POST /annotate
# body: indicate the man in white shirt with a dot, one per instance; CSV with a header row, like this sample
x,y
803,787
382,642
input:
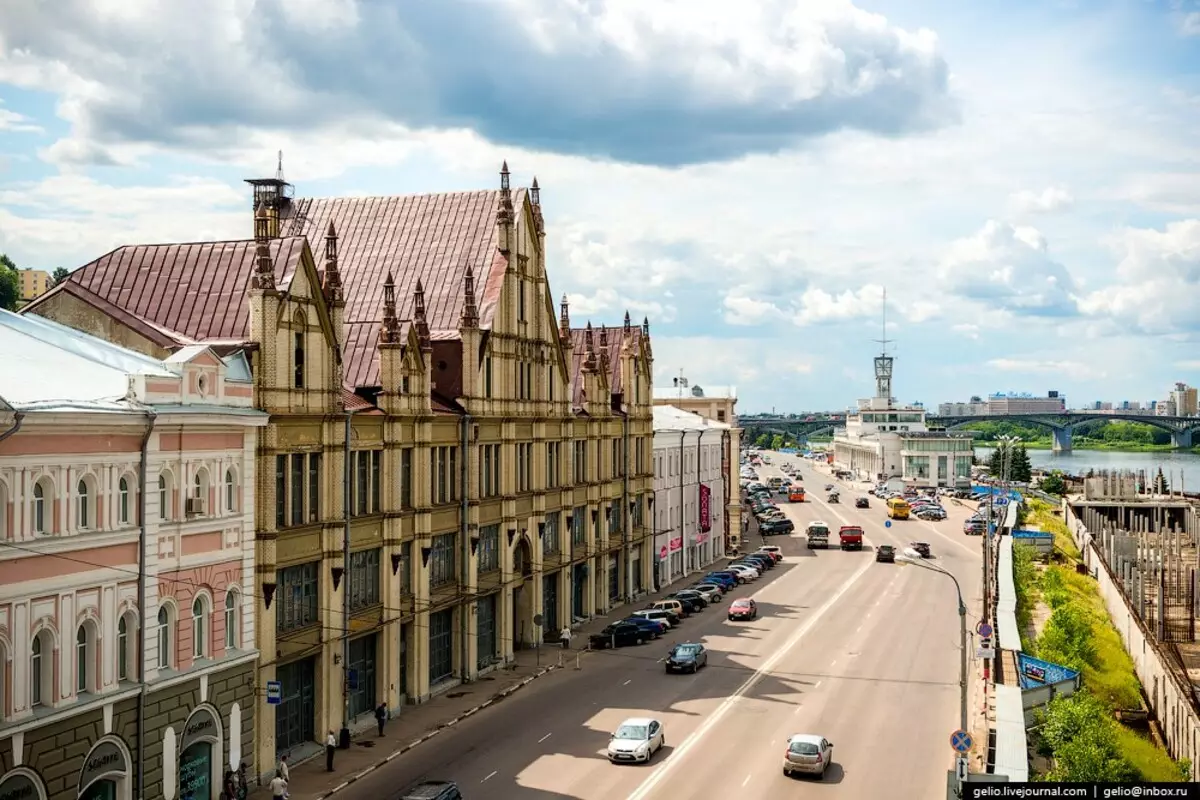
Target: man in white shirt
x,y
283,770
330,749
278,786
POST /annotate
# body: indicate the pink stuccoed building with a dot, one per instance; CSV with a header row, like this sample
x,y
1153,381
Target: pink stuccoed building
x,y
126,505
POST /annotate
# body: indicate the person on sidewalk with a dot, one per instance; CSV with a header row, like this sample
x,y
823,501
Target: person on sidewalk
x,y
565,637
278,786
381,715
282,770
330,747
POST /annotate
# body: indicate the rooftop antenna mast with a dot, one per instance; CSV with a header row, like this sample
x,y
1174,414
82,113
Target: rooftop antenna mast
x,y
883,362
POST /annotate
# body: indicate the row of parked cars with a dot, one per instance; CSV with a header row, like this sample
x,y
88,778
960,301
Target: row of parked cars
x,y
922,506
770,518
670,612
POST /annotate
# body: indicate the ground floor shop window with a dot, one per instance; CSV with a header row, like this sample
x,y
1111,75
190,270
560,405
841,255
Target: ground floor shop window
x,y
639,584
295,716
485,630
195,772
106,772
550,625
578,587
361,676
614,579
677,564
441,646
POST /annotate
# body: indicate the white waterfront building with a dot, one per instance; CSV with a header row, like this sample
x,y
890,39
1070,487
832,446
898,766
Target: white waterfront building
x,y
883,440
689,492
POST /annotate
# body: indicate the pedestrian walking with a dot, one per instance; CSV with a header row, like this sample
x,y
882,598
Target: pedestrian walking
x,y
330,746
278,786
381,715
282,770
565,637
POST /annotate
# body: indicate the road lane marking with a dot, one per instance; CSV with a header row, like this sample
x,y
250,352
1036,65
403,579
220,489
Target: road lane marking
x,y
489,777
833,663
544,738
706,727
626,683
747,780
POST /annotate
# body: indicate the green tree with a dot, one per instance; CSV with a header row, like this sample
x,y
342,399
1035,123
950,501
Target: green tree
x,y
1020,469
1067,638
60,275
10,284
1079,734
1054,483
763,441
777,442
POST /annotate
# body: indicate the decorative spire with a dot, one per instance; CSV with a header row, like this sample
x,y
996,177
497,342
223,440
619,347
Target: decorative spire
x,y
331,278
604,349
470,312
535,200
645,326
389,328
419,318
264,268
564,322
504,213
628,326
589,350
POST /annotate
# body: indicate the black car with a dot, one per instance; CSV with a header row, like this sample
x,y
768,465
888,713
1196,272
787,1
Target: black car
x,y
862,502
885,552
652,628
763,562
690,604
687,657
433,790
922,549
691,594
833,498
776,527
619,634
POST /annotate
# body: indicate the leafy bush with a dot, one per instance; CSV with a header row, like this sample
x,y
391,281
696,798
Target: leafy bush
x,y
1067,637
1082,738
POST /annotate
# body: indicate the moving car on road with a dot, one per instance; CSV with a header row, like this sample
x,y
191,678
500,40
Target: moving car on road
x,y
862,502
433,790
636,740
833,498
796,493
743,608
619,634
807,754
687,657
817,534
922,548
885,553
850,537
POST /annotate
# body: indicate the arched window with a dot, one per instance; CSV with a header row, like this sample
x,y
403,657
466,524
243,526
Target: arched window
x,y
198,486
40,673
232,627
230,491
39,507
123,649
83,672
82,506
123,501
199,628
298,335
164,638
164,497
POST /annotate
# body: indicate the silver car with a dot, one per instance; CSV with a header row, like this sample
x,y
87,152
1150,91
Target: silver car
x,y
637,740
807,754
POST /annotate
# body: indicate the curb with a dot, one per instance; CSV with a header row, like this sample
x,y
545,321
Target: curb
x,y
496,698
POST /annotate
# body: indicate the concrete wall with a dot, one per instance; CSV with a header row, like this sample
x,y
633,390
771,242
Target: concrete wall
x,y
1170,697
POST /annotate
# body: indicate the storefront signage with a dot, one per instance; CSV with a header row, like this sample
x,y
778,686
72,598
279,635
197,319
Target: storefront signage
x,y
705,508
107,760
201,726
676,544
19,786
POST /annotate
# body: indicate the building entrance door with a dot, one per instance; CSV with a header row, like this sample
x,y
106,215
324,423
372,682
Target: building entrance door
x,y
550,625
578,585
295,716
362,676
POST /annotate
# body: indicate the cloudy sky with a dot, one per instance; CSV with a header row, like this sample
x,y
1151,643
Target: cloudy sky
x,y
1021,176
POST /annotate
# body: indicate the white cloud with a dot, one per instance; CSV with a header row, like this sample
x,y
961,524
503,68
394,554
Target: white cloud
x,y
710,360
818,306
17,123
966,329
1191,364
741,310
1076,370
1188,24
1049,200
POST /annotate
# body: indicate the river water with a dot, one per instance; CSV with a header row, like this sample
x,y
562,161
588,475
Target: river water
x,y
1078,462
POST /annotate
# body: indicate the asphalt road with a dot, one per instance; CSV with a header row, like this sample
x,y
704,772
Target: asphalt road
x,y
865,654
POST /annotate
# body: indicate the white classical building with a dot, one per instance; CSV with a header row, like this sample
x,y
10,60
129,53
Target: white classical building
x,y
885,440
688,492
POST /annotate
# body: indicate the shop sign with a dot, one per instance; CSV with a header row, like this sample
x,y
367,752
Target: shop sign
x,y
202,726
106,760
19,786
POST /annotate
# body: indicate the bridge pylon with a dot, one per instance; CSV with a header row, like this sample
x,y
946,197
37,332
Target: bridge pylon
x,y
1062,440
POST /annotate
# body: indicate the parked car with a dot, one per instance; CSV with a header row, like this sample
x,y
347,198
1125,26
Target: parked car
x,y
618,634
725,581
743,608
433,790
636,740
686,657
775,552
709,591
698,601
885,553
729,573
654,627
674,606
780,527
671,620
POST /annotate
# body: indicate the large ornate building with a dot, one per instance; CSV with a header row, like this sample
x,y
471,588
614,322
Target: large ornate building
x,y
447,461
126,494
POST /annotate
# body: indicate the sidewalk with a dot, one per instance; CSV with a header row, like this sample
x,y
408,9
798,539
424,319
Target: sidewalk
x,y
415,725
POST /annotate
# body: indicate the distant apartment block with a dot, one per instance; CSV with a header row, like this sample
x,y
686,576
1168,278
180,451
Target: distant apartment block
x,y
34,284
972,408
1185,400
1013,403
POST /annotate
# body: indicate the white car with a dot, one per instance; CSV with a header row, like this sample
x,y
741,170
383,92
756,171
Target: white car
x,y
749,573
655,614
808,754
771,549
636,741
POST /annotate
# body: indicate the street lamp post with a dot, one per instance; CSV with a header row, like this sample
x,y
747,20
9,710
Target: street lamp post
x,y
917,561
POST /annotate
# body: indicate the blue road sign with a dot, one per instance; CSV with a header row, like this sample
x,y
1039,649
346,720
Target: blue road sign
x,y
961,741
274,693
984,630
887,523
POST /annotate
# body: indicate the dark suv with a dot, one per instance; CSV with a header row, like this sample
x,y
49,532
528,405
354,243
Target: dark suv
x,y
433,790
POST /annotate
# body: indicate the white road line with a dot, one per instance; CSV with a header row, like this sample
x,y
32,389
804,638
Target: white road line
x,y
492,775
660,773
544,738
833,663
746,780
626,683
815,685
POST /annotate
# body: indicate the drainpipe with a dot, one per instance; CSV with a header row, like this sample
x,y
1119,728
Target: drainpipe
x,y
140,791
464,535
699,483
682,504
626,533
17,420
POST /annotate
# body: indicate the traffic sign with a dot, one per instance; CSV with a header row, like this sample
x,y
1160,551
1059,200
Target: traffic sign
x,y
985,653
961,741
887,523
961,770
538,619
984,630
274,693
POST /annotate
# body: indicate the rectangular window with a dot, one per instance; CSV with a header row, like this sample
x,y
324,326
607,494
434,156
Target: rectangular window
x,y
376,469
551,377
485,637
405,568
720,415
441,561
550,542
487,377
452,473
364,579
578,521
489,548
443,483
614,517
280,491
551,465
580,465
365,477
314,487
406,478
520,380
613,445
489,470
296,487
296,597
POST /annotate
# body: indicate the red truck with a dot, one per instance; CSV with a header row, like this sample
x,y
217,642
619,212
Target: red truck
x,y
851,537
